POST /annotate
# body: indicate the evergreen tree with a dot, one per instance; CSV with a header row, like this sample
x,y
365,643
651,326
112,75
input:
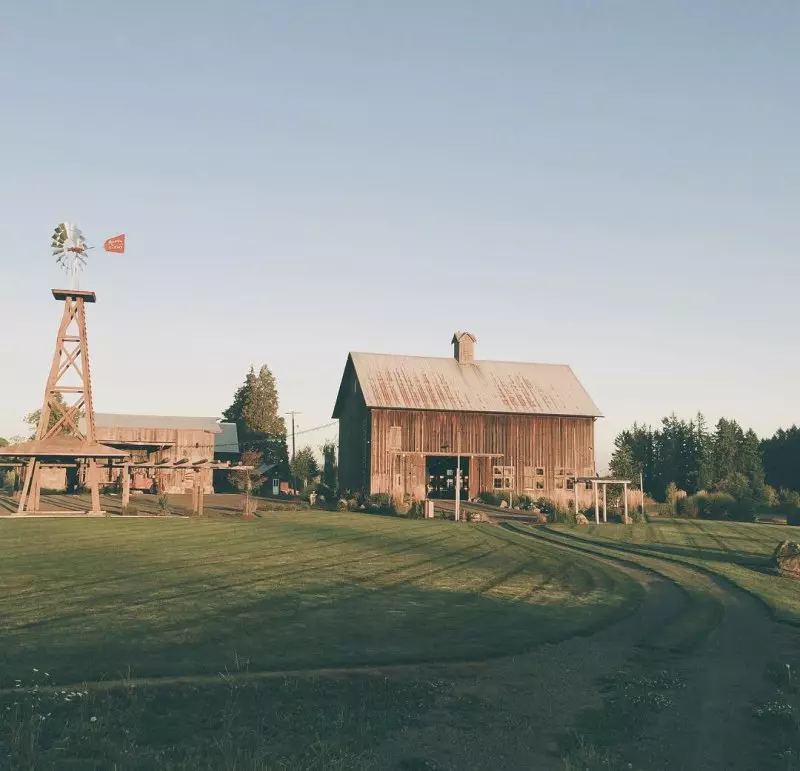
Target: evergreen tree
x,y
255,404
260,427
750,463
727,443
781,455
330,470
705,453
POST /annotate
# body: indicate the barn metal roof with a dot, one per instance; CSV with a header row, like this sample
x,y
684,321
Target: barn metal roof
x,y
433,383
112,420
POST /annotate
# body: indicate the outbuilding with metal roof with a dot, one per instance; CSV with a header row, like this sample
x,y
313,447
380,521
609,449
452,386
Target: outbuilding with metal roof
x,y
407,422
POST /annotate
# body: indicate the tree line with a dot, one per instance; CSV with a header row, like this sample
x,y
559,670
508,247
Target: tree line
x,y
693,456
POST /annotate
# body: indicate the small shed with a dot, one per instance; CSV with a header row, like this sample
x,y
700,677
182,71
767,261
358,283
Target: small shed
x,y
161,439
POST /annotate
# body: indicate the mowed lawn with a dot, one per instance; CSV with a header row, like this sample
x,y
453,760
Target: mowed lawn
x,y
740,552
109,598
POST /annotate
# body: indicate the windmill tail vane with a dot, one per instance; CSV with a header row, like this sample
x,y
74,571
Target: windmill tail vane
x,y
69,248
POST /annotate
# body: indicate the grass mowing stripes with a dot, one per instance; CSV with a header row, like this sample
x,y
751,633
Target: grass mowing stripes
x,y
98,598
737,551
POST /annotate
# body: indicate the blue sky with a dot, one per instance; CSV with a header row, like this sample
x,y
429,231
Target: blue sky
x,y
613,185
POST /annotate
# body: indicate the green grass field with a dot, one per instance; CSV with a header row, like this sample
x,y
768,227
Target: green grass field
x,y
186,613
739,552
317,640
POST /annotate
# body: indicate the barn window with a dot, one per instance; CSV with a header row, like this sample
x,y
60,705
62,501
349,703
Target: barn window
x,y
503,477
533,478
395,439
588,485
570,483
559,483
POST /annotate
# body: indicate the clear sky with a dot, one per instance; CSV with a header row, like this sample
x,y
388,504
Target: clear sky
x,y
613,185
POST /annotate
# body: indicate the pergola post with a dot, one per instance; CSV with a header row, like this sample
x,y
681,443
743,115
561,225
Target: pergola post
x,y
126,485
575,490
605,503
200,491
94,486
596,502
625,497
196,493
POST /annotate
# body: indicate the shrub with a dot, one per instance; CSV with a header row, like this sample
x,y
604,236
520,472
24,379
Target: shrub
x,y
341,505
672,493
546,506
637,518
525,502
380,502
770,496
416,510
687,507
352,504
162,501
490,498
401,505
793,515
130,511
563,517
717,505
736,485
789,498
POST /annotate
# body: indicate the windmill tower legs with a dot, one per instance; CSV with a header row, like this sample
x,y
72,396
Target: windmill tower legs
x,y
67,407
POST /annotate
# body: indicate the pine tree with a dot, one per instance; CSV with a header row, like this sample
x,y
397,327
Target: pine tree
x,y
750,463
704,444
260,426
255,404
330,471
727,441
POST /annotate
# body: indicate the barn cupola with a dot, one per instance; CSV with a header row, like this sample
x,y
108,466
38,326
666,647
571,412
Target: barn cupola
x,y
464,347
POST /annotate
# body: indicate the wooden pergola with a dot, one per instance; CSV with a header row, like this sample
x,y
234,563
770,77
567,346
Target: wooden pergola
x,y
198,491
596,483
24,453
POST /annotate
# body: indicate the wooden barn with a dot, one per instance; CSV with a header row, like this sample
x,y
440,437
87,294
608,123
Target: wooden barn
x,y
524,428
159,438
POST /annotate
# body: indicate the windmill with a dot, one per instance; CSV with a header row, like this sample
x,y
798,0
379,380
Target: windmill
x,y
69,249
65,432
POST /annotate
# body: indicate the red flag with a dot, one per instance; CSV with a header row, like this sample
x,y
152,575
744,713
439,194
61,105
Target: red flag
x,y
115,244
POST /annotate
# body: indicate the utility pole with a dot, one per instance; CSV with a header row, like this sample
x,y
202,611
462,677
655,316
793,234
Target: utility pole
x,y
293,413
294,448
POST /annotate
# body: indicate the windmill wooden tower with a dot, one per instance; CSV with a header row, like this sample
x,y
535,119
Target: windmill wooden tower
x,y
65,432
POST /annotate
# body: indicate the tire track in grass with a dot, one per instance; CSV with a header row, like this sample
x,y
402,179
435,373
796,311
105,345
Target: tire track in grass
x,y
689,626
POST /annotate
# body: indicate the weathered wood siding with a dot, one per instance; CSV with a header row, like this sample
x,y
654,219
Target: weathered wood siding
x,y
354,439
557,445
194,444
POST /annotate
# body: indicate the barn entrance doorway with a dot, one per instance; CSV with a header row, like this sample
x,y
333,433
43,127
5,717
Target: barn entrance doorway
x,y
441,474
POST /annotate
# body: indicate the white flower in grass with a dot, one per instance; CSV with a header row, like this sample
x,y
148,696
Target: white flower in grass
x,y
35,670
92,719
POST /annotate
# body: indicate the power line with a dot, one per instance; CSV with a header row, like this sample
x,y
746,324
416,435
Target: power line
x,y
233,447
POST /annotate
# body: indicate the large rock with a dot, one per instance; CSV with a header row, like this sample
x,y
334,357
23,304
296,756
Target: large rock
x,y
787,559
580,519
